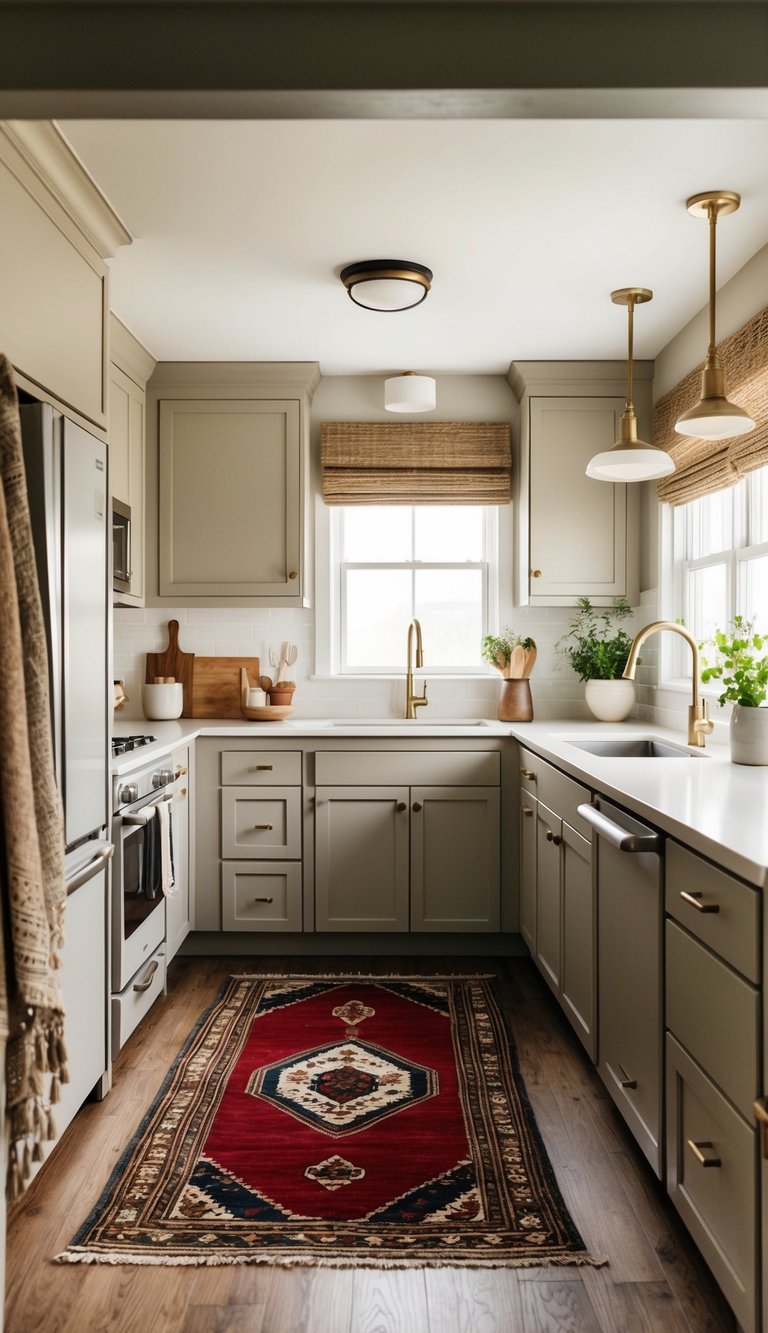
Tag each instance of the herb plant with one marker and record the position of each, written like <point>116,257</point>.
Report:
<point>744,675</point>
<point>498,648</point>
<point>595,645</point>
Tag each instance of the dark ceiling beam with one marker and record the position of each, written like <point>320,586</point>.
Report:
<point>317,58</point>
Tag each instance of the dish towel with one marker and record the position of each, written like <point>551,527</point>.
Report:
<point>152,876</point>
<point>164,823</point>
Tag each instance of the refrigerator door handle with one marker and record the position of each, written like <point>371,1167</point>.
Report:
<point>104,852</point>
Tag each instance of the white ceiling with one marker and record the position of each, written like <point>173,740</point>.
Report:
<point>241,228</point>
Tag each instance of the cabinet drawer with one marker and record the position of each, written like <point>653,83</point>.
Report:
<point>267,823</point>
<point>443,768</point>
<point>530,764</point>
<point>717,1203</point>
<point>733,931</point>
<point>564,795</point>
<point>714,1014</point>
<point>260,895</point>
<point>257,768</point>
<point>130,1006</point>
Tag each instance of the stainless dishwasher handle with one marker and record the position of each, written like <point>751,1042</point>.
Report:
<point>618,836</point>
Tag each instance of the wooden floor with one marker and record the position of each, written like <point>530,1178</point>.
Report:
<point>655,1281</point>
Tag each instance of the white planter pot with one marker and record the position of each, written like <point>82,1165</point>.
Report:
<point>610,700</point>
<point>749,735</point>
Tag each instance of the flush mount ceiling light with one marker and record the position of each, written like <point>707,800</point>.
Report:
<point>387,284</point>
<point>409,392</point>
<point>630,459</point>
<point>713,417</point>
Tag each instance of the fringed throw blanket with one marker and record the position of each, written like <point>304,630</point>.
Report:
<point>31,825</point>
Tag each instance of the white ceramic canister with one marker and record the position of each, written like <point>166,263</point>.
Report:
<point>257,698</point>
<point>161,702</point>
<point>749,735</point>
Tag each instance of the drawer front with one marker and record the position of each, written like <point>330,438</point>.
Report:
<point>130,1006</point>
<point>260,895</point>
<point>530,766</point>
<point>417,768</point>
<point>261,768</point>
<point>716,1202</point>
<point>261,824</point>
<point>564,795</point>
<point>733,931</point>
<point>714,1014</point>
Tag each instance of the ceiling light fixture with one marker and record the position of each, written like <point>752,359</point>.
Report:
<point>713,417</point>
<point>410,392</point>
<point>387,284</point>
<point>630,459</point>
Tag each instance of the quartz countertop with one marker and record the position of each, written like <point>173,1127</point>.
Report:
<point>718,808</point>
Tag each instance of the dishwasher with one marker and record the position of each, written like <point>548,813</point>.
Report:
<point>629,860</point>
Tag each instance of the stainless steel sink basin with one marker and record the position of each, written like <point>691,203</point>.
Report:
<point>397,723</point>
<point>634,747</point>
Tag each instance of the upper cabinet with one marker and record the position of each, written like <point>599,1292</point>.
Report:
<point>232,468</point>
<point>130,368</point>
<point>56,230</point>
<point>577,537</point>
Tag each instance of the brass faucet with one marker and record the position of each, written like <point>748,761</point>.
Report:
<point>699,724</point>
<point>414,701</point>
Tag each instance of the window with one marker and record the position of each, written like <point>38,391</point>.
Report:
<point>720,562</point>
<point>394,562</point>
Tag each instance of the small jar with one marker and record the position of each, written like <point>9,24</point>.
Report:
<point>257,698</point>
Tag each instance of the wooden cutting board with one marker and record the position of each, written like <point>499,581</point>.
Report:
<point>216,685</point>
<point>173,662</point>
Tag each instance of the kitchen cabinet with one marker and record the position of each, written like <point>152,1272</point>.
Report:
<point>232,500</point>
<point>130,368</point>
<point>178,905</point>
<point>395,854</point>
<point>714,1069</point>
<point>557,892</point>
<point>577,537</point>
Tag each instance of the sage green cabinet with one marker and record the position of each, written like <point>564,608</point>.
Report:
<point>131,366</point>
<point>361,858</point>
<point>528,887</point>
<point>455,859</point>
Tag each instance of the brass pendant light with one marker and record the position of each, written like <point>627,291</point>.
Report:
<point>630,459</point>
<point>713,417</point>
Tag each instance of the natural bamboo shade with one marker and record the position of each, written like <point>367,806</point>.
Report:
<point>704,466</point>
<point>435,462</point>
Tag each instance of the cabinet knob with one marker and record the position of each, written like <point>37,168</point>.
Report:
<point>293,574</point>
<point>553,837</point>
<point>535,573</point>
<point>702,1152</point>
<point>401,805</point>
<point>183,792</point>
<point>417,806</point>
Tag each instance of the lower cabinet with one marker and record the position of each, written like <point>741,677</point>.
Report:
<point>260,840</point>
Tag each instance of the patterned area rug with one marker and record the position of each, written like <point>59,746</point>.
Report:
<point>342,1121</point>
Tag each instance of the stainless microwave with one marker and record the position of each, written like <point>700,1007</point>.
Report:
<point>121,546</point>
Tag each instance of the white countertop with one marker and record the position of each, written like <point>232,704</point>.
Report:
<point>716,807</point>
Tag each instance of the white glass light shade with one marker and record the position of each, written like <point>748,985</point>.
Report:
<point>410,393</point>
<point>644,464</point>
<point>387,293</point>
<point>714,420</point>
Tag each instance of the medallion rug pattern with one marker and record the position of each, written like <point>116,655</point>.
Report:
<point>373,1121</point>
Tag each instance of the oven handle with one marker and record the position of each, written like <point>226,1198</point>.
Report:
<point>146,982</point>
<point>146,813</point>
<point>91,868</point>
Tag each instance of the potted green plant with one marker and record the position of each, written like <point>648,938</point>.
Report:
<point>597,648</point>
<point>744,677</point>
<point>513,655</point>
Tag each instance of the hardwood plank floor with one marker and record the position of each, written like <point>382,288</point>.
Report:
<point>655,1280</point>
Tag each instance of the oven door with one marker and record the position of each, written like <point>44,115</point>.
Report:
<point>138,921</point>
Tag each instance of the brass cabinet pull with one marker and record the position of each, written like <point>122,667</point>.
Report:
<point>263,900</point>
<point>293,574</point>
<point>180,771</point>
<point>183,792</point>
<point>625,1080</point>
<point>760,1108</point>
<point>698,1150</point>
<point>401,805</point>
<point>417,806</point>
<point>264,768</point>
<point>693,900</point>
<point>267,828</point>
<point>553,837</point>
<point>527,811</point>
<point>527,774</point>
<point>535,573</point>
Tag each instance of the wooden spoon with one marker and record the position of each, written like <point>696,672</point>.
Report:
<point>530,658</point>
<point>265,682</point>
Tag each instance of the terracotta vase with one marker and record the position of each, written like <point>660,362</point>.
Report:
<point>515,702</point>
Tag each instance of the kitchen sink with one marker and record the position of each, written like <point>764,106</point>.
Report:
<point>392,723</point>
<point>634,747</point>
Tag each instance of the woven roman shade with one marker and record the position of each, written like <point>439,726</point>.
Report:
<point>435,462</point>
<point>704,466</point>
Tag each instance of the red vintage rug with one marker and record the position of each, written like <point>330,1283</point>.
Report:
<point>341,1121</point>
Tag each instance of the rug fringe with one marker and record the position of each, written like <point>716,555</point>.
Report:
<point>325,1261</point>
<point>360,976</point>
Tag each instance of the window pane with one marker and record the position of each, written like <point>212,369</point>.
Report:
<point>756,592</point>
<point>376,532</point>
<point>378,612</point>
<point>711,524</point>
<point>758,497</point>
<point>706,600</point>
<point>449,606</point>
<point>449,532</point>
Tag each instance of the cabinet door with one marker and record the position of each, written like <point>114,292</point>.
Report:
<point>455,859</point>
<point>361,858</point>
<point>578,527</point>
<point>230,498</point>
<point>528,869</point>
<point>177,904</point>
<point>548,924</point>
<point>261,895</point>
<point>126,468</point>
<point>578,981</point>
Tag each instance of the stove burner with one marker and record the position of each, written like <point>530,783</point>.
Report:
<point>122,744</point>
